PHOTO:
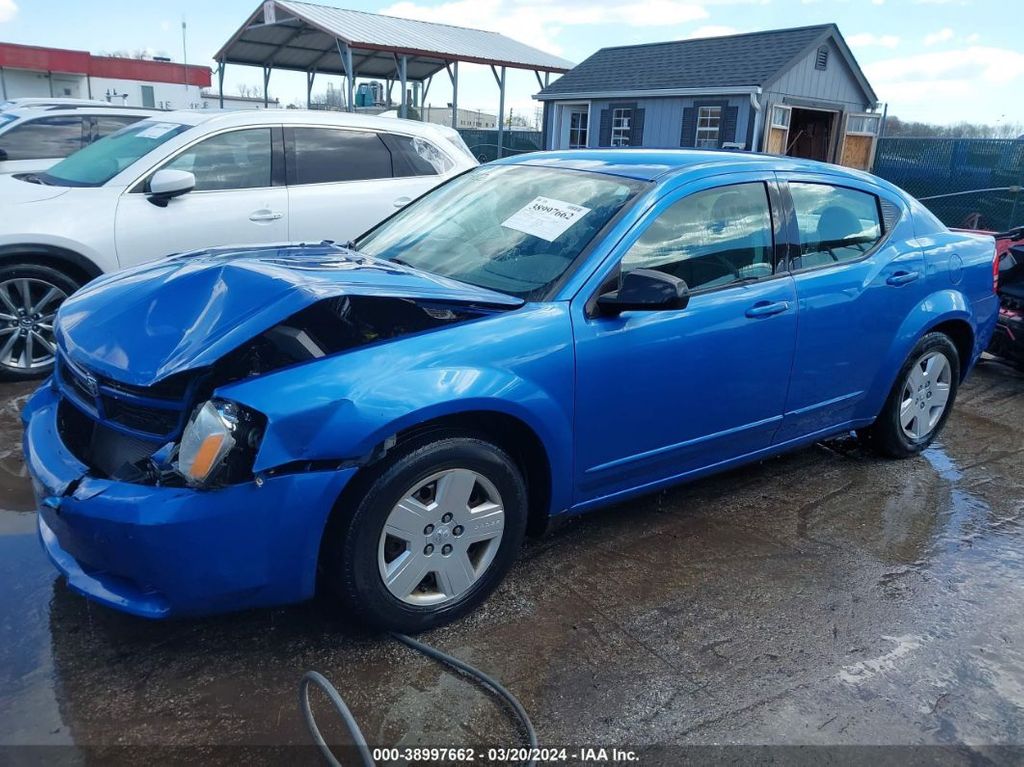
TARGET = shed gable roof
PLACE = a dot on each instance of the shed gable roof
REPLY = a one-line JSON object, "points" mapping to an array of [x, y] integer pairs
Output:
{"points": [[748, 60]]}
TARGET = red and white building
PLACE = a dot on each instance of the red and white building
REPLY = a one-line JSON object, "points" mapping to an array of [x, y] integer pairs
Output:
{"points": [[32, 71]]}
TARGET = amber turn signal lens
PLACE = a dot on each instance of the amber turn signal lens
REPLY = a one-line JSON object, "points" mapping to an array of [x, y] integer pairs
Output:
{"points": [[206, 456]]}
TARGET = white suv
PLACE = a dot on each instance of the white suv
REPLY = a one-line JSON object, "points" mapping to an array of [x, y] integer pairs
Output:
{"points": [[190, 180], [35, 134]]}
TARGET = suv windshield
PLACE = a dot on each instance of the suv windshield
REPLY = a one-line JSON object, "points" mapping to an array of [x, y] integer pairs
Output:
{"points": [[511, 228], [100, 161]]}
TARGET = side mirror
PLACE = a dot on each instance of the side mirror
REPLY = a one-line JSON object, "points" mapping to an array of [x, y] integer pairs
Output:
{"points": [[167, 184], [645, 290]]}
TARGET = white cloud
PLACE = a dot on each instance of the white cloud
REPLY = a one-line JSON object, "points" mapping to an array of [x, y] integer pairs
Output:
{"points": [[942, 36], [948, 85], [8, 10], [973, 38], [713, 30], [868, 39], [523, 20]]}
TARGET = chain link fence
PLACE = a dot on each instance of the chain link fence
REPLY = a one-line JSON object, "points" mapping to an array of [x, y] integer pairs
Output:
{"points": [[939, 168], [484, 143]]}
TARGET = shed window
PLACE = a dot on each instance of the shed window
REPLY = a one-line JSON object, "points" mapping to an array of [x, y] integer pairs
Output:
{"points": [[709, 120], [821, 58], [578, 123], [622, 119]]}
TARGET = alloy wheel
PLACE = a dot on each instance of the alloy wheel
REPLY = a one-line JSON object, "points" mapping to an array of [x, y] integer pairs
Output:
{"points": [[925, 395], [28, 306], [441, 537]]}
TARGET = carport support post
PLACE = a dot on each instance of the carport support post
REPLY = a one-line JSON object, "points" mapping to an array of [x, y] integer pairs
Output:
{"points": [[501, 111], [403, 109], [350, 80], [453, 73], [220, 81], [309, 88], [266, 86]]}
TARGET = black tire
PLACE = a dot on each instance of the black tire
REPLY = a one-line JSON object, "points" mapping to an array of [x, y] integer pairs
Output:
{"points": [[886, 435], [349, 554], [39, 277]]}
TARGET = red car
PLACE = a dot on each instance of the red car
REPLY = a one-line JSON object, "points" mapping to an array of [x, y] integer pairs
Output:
{"points": [[1008, 340]]}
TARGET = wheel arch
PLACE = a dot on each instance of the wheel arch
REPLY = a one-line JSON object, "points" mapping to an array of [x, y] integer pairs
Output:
{"points": [[506, 431], [75, 265], [946, 311]]}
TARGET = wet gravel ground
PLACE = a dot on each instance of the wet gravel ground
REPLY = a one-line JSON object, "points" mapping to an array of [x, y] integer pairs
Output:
{"points": [[826, 597]]}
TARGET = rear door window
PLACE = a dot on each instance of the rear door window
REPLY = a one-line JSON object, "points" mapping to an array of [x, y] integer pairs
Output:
{"points": [[326, 155], [837, 224], [43, 138]]}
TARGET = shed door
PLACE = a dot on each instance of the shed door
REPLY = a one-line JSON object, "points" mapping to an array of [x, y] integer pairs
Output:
{"points": [[860, 135], [776, 130]]}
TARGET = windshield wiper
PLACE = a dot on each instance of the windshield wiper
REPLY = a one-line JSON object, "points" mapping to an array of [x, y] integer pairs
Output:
{"points": [[33, 178]]}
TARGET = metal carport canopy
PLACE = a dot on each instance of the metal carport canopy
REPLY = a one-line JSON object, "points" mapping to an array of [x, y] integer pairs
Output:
{"points": [[310, 38]]}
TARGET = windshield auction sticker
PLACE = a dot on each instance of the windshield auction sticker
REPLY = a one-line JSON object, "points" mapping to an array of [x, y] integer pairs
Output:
{"points": [[545, 218], [157, 130]]}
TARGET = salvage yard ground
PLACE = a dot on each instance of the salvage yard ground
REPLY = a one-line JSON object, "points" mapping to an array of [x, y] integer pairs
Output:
{"points": [[826, 597]]}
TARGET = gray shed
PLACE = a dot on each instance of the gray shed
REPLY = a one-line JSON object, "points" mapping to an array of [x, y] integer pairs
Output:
{"points": [[792, 91]]}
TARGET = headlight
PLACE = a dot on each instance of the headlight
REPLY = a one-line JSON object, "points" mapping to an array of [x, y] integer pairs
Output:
{"points": [[216, 431]]}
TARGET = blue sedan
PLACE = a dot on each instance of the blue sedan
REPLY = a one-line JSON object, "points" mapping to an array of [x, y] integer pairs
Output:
{"points": [[535, 338]]}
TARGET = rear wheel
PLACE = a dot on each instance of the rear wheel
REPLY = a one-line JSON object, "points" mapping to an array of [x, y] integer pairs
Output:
{"points": [[30, 295], [435, 530], [920, 400]]}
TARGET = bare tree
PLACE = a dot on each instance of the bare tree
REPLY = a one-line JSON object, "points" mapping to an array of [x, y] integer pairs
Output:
{"points": [[897, 128]]}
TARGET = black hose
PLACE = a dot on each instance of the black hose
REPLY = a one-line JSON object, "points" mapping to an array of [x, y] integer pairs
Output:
{"points": [[359, 740]]}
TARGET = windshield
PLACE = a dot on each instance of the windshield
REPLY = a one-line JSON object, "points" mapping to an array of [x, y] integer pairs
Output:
{"points": [[511, 228], [6, 118], [101, 160]]}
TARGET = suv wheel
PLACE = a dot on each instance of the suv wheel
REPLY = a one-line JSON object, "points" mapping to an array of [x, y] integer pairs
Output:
{"points": [[435, 530], [29, 298], [920, 400]]}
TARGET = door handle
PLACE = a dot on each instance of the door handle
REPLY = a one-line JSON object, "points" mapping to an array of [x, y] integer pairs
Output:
{"points": [[767, 309], [902, 278], [401, 202], [265, 215]]}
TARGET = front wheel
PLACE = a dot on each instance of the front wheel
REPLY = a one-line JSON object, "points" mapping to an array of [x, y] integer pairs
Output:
{"points": [[30, 295], [920, 400], [436, 529]]}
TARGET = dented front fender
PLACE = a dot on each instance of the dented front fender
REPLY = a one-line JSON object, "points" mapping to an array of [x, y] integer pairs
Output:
{"points": [[342, 407]]}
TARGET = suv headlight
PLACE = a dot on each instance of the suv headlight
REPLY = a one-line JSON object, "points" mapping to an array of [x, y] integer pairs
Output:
{"points": [[217, 432]]}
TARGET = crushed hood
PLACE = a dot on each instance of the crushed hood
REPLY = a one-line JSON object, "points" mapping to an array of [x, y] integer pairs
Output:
{"points": [[144, 324]]}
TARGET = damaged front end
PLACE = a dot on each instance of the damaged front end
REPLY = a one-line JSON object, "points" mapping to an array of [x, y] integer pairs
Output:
{"points": [[141, 459], [138, 395], [177, 433]]}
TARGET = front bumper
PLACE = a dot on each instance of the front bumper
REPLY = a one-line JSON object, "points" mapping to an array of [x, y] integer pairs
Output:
{"points": [[161, 551]]}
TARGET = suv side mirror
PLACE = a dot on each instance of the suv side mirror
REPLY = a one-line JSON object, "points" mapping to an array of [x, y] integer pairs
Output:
{"points": [[645, 290], [167, 184]]}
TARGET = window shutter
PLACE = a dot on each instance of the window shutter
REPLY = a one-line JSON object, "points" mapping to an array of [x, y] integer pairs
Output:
{"points": [[728, 132], [636, 128], [605, 135], [688, 136]]}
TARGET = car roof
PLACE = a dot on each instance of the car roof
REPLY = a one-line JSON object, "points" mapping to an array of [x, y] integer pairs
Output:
{"points": [[49, 110], [653, 164], [243, 117]]}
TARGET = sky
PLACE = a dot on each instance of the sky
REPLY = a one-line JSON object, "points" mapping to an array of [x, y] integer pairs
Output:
{"points": [[941, 61]]}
